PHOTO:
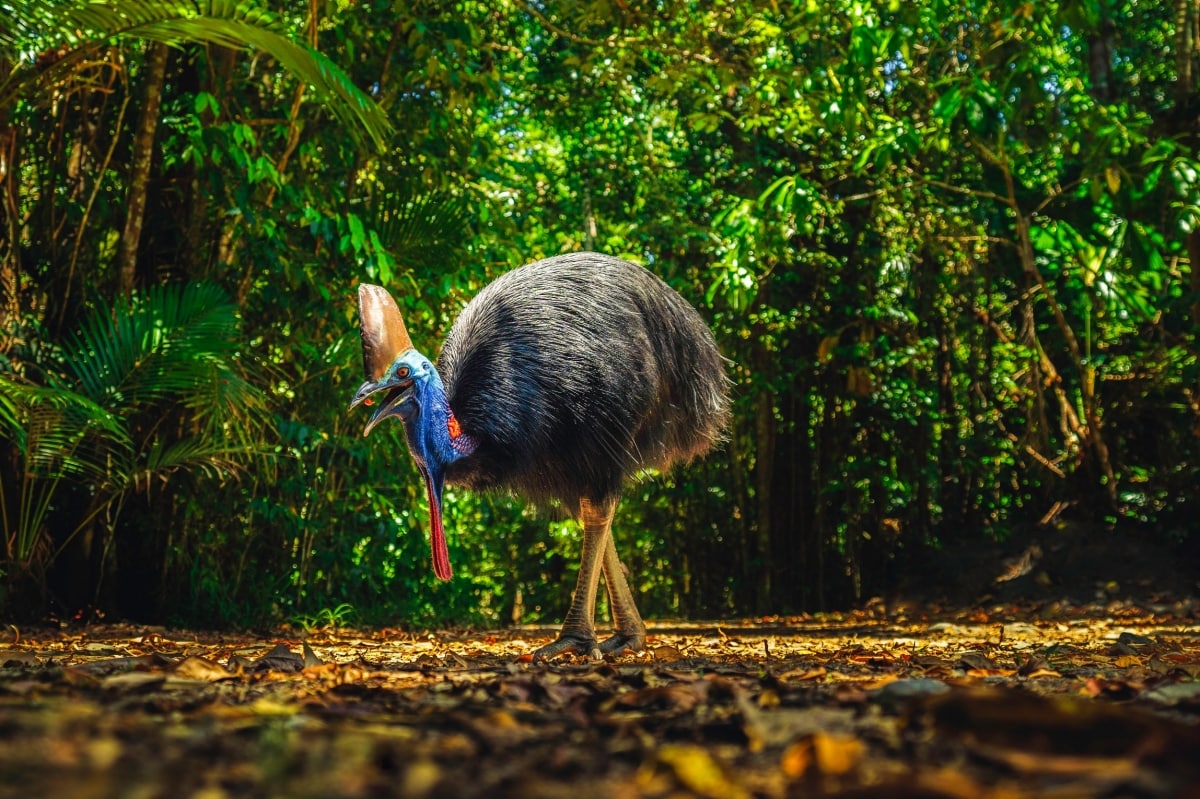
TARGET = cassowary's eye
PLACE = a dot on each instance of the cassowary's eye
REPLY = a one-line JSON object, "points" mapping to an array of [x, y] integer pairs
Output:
{"points": [[402, 371]]}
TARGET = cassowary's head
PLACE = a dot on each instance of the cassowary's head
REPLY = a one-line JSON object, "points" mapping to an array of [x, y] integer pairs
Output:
{"points": [[405, 384], [401, 391]]}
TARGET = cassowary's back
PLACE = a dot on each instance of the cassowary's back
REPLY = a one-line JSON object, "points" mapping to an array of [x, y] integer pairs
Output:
{"points": [[574, 372]]}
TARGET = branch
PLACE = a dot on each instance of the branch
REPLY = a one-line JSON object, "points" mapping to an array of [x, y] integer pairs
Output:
{"points": [[612, 40], [564, 33], [980, 193]]}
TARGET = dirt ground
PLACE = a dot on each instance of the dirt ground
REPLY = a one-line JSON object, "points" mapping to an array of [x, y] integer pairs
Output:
{"points": [[1051, 699]]}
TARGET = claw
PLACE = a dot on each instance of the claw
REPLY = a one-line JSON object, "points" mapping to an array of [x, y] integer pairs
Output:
{"points": [[569, 642], [622, 642]]}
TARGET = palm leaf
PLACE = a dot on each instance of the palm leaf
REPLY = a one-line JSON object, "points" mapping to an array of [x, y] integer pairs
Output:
{"points": [[156, 347], [60, 432], [75, 27], [166, 350], [218, 458], [10, 426], [419, 226]]}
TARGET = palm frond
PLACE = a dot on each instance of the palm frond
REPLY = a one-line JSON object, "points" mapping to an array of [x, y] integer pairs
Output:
{"points": [[417, 225], [10, 426], [73, 27], [206, 455], [158, 346], [167, 350], [60, 432]]}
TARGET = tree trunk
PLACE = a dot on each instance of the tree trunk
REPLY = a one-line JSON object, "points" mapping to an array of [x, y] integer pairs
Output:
{"points": [[200, 234], [9, 307], [764, 470], [142, 159], [1187, 19], [1193, 250], [1187, 22]]}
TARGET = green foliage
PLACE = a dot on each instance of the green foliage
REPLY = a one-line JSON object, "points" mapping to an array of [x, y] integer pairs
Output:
{"points": [[148, 389], [73, 30], [946, 247], [325, 619], [58, 435]]}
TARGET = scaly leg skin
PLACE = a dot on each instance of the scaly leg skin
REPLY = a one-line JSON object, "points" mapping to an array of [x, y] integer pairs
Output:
{"points": [[630, 632], [579, 629]]}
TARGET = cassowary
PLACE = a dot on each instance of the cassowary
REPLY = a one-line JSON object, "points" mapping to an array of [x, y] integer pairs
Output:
{"points": [[559, 381]]}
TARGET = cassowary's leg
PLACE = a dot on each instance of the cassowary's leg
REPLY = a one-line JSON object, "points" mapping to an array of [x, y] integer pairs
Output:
{"points": [[630, 632], [579, 629]]}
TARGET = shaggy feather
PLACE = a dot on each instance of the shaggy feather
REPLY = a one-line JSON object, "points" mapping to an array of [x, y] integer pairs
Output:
{"points": [[573, 373]]}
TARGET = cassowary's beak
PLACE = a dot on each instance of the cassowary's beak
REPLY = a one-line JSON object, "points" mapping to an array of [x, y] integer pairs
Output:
{"points": [[399, 392], [437, 536]]}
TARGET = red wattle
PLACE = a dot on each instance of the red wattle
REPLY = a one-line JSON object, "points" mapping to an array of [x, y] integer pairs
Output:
{"points": [[437, 538]]}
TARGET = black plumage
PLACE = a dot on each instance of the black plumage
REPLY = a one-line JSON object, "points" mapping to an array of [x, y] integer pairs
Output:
{"points": [[575, 372], [559, 381]]}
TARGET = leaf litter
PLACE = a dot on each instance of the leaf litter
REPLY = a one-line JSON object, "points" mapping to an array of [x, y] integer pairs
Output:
{"points": [[1005, 702]]}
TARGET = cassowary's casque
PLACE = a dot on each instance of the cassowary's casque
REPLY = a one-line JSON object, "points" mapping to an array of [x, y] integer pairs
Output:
{"points": [[559, 381]]}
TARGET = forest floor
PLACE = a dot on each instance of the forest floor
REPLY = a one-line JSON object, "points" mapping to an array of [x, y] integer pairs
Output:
{"points": [[1053, 699]]}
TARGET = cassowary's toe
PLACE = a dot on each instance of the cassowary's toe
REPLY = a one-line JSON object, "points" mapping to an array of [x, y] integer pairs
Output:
{"points": [[622, 642], [575, 643]]}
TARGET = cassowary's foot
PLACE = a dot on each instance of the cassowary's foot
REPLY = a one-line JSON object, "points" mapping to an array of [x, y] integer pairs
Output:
{"points": [[577, 643], [622, 642]]}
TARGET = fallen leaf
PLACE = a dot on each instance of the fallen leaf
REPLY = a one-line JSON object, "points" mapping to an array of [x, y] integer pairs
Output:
{"points": [[280, 659], [1117, 690], [196, 668], [803, 675], [986, 673], [133, 681], [99, 668], [830, 755], [1172, 694], [17, 657], [679, 697], [975, 660], [310, 657], [1134, 639], [1033, 666], [696, 770]]}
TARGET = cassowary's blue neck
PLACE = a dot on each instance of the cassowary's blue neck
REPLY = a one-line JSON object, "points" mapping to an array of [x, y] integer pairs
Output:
{"points": [[436, 440], [434, 436]]}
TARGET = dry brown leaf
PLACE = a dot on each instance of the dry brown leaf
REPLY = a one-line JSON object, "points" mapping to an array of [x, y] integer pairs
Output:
{"points": [[1037, 763], [817, 707], [830, 755], [674, 696], [982, 673], [804, 674], [133, 681], [697, 771], [17, 657], [196, 668], [280, 659], [976, 661], [1040, 673]]}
